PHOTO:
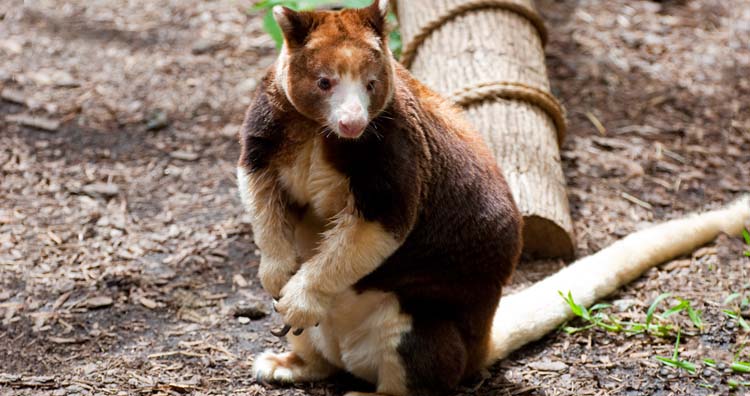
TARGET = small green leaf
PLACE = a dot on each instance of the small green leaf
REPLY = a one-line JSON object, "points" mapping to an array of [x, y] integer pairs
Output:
{"points": [[689, 367], [676, 352], [652, 308], [709, 362], [738, 317], [572, 304], [741, 367], [675, 309], [743, 323], [354, 3], [733, 383], [395, 43], [584, 313], [609, 327], [731, 298], [262, 5], [667, 361], [573, 330], [685, 365], [599, 306], [636, 328], [739, 352], [269, 4], [273, 29], [675, 361], [695, 317]]}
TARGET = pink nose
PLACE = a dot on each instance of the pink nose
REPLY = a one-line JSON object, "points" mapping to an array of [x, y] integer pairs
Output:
{"points": [[351, 128]]}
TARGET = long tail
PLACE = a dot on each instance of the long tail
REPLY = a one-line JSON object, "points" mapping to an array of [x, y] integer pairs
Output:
{"points": [[533, 312]]}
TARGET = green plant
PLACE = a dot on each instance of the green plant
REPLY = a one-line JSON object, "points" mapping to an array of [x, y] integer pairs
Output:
{"points": [[734, 384], [272, 28], [595, 318], [746, 235], [655, 325], [675, 360], [741, 367], [652, 307], [736, 312], [589, 315], [738, 366], [685, 305]]}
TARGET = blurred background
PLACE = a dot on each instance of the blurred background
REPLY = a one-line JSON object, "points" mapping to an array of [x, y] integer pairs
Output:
{"points": [[126, 261]]}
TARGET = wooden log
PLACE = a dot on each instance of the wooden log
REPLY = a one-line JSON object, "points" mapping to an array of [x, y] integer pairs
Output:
{"points": [[488, 56]]}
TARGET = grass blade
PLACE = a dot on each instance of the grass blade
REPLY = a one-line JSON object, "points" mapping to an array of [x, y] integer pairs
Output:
{"points": [[652, 308], [687, 366], [677, 346], [733, 383], [695, 317], [743, 323], [667, 361], [578, 310], [741, 367], [731, 298], [675, 309], [599, 307]]}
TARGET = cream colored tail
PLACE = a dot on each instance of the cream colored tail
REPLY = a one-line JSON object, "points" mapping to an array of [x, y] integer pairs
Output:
{"points": [[531, 313]]}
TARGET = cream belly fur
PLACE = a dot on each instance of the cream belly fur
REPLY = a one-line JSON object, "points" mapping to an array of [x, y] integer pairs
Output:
{"points": [[361, 335]]}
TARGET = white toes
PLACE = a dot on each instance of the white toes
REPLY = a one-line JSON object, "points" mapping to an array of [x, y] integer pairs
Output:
{"points": [[283, 375], [268, 368]]}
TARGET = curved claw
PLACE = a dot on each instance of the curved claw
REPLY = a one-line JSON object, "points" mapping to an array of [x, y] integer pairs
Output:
{"points": [[283, 332], [298, 331]]}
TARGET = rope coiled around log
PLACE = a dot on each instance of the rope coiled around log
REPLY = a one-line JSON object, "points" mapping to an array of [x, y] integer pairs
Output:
{"points": [[410, 49], [510, 90], [470, 95]]}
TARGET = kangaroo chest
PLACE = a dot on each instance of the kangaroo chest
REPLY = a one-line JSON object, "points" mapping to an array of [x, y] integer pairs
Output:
{"points": [[310, 180]]}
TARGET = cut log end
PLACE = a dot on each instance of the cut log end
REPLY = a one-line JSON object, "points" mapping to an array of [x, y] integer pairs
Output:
{"points": [[543, 238]]}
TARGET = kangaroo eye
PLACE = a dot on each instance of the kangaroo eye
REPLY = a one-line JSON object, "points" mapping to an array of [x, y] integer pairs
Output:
{"points": [[371, 85], [324, 84]]}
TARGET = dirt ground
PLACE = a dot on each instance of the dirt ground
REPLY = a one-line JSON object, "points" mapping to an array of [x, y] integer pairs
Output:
{"points": [[127, 265]]}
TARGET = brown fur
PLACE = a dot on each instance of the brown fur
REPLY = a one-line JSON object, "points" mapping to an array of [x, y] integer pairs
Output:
{"points": [[420, 172]]}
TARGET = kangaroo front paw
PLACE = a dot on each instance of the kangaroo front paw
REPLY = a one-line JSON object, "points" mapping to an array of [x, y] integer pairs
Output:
{"points": [[274, 274], [300, 305]]}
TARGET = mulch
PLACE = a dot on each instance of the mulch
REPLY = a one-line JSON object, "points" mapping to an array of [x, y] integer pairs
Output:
{"points": [[126, 261]]}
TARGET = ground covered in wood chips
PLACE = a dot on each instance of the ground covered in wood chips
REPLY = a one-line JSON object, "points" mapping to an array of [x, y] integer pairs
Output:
{"points": [[127, 265]]}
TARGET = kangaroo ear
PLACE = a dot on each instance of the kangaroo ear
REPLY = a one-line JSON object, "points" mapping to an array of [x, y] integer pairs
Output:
{"points": [[295, 26], [375, 15]]}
